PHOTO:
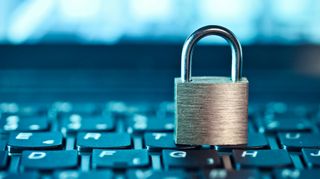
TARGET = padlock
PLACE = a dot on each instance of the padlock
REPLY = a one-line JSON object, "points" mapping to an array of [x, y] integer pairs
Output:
{"points": [[211, 110]]}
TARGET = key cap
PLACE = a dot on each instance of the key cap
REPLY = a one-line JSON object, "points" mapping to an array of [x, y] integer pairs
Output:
{"points": [[75, 123], [261, 158], [120, 159], [73, 174], [16, 123], [282, 110], [123, 110], [158, 141], [190, 158], [141, 123], [296, 141], [149, 174], [255, 141], [296, 174], [228, 174], [88, 141], [49, 160], [34, 141], [284, 125], [3, 159], [311, 157], [67, 108], [27, 175]]}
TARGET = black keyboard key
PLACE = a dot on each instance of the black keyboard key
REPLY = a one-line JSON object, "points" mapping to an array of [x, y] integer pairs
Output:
{"points": [[76, 122], [296, 174], [88, 141], [119, 159], [311, 157], [3, 159], [255, 141], [261, 158], [190, 159], [284, 125], [34, 141], [231, 174], [296, 141], [49, 160], [159, 141], [141, 123], [72, 174], [149, 174], [27, 175], [16, 123]]}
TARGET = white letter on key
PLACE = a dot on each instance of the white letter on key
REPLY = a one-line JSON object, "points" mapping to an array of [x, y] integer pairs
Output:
{"points": [[37, 155], [157, 136], [95, 136], [315, 154], [106, 152], [245, 153], [23, 136], [178, 154]]}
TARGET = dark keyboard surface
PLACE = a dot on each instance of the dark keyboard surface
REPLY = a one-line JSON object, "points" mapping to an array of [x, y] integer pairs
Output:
{"points": [[125, 140]]}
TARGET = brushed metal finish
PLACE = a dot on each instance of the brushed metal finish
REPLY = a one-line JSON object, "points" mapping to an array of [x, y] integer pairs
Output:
{"points": [[211, 110], [187, 50]]}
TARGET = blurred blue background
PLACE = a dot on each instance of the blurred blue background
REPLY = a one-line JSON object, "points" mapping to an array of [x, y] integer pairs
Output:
{"points": [[165, 21], [121, 49]]}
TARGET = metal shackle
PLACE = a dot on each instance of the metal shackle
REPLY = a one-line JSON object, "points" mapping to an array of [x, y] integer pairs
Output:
{"points": [[186, 56]]}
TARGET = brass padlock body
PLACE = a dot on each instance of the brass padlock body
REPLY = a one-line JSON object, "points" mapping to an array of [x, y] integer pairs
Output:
{"points": [[211, 110]]}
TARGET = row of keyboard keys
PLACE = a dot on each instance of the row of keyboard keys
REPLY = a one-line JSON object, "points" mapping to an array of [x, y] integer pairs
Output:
{"points": [[54, 140], [265, 159], [149, 174], [153, 141], [137, 158]]}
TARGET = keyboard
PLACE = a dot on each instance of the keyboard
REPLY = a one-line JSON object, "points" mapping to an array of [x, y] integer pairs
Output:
{"points": [[135, 140]]}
